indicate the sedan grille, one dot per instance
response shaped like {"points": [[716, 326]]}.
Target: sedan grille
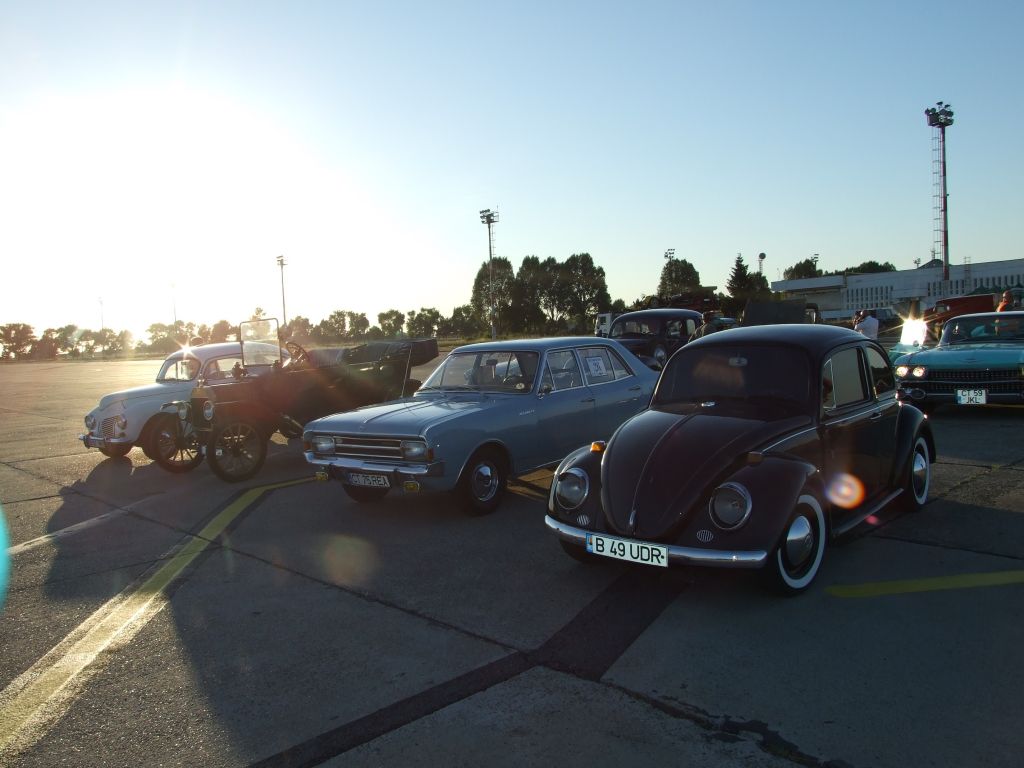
{"points": [[368, 447]]}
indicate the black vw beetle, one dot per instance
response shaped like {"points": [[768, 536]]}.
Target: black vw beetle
{"points": [[760, 444]]}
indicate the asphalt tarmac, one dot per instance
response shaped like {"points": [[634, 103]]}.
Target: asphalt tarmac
{"points": [[158, 619]]}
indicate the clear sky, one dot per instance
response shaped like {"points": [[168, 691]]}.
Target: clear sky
{"points": [[160, 156]]}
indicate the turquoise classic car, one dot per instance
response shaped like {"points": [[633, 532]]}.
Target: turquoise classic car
{"points": [[490, 411], [979, 360]]}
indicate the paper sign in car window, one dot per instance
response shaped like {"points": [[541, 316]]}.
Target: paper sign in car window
{"points": [[596, 367]]}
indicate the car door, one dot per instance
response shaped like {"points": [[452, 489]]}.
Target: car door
{"points": [[565, 407], [851, 433], [883, 388], [618, 393]]}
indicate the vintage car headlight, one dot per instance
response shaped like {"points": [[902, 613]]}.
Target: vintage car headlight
{"points": [[918, 371], [120, 422], [183, 411], [572, 487], [208, 410], [730, 506], [414, 450], [323, 444], [90, 422], [902, 371]]}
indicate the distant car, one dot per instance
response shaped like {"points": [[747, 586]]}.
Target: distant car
{"points": [[655, 333], [489, 411], [760, 445], [232, 418], [133, 417], [979, 360]]}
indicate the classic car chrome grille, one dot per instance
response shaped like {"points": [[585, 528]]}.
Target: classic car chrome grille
{"points": [[972, 376], [368, 447], [108, 427], [1006, 380]]}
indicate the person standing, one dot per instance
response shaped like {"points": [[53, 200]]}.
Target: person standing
{"points": [[866, 325], [1006, 303]]}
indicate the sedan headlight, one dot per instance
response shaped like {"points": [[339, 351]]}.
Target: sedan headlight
{"points": [[183, 411], [572, 487], [208, 410], [730, 506], [323, 444], [414, 450], [90, 422]]}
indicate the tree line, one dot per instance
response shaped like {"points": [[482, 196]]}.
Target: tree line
{"points": [[543, 297]]}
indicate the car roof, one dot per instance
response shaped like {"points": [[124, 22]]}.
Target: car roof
{"points": [[661, 313], [815, 338], [538, 345], [208, 351], [1015, 314]]}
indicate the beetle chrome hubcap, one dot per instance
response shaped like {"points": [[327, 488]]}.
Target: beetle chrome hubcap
{"points": [[920, 476], [799, 541]]}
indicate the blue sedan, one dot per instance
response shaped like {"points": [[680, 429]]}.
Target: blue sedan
{"points": [[488, 412]]}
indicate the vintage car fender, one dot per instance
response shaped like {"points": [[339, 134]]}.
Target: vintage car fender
{"points": [[909, 423], [590, 462]]}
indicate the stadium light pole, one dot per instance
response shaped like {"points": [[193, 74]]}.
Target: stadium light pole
{"points": [[941, 116], [284, 314], [489, 217]]}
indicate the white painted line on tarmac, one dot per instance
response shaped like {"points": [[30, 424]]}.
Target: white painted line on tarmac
{"points": [[25, 546], [39, 697]]}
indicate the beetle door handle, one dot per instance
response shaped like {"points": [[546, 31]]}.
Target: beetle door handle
{"points": [[876, 416]]}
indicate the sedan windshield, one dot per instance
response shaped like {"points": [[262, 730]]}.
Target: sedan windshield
{"points": [[485, 371], [750, 374], [984, 329]]}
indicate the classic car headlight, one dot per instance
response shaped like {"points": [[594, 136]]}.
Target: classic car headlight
{"points": [[918, 371], [902, 371], [120, 422], [90, 422], [730, 506], [183, 411], [208, 410], [323, 444], [414, 450], [572, 487]]}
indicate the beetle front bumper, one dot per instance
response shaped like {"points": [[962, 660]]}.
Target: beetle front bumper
{"points": [[676, 555]]}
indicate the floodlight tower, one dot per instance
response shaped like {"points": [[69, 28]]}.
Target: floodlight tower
{"points": [[489, 217], [284, 315], [939, 118]]}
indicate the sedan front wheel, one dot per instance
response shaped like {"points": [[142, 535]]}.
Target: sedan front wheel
{"points": [[796, 559], [482, 483]]}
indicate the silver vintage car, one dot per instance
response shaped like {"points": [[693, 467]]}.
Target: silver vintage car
{"points": [[488, 412]]}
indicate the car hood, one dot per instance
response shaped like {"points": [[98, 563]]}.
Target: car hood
{"points": [[991, 355], [170, 390], [408, 416], [659, 464]]}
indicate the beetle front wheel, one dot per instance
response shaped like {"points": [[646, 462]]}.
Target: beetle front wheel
{"points": [[796, 559], [919, 477], [237, 451]]}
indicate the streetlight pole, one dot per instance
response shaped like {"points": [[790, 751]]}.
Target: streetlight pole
{"points": [[284, 314], [940, 116], [489, 217]]}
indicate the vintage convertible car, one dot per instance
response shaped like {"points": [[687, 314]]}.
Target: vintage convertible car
{"points": [[760, 445], [133, 417], [979, 360], [488, 412], [232, 418]]}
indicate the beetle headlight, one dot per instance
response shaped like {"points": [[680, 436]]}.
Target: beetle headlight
{"points": [[902, 371], [90, 422], [208, 410], [572, 487], [414, 450], [730, 506], [323, 444], [183, 411]]}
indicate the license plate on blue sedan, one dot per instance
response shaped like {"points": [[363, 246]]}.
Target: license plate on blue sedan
{"points": [[971, 397], [628, 550], [368, 481]]}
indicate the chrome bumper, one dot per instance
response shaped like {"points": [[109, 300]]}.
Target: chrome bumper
{"points": [[91, 441], [399, 469], [676, 555]]}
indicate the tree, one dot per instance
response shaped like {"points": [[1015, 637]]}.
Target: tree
{"points": [[554, 289], [391, 322], [586, 291], [870, 267], [801, 270], [527, 291], [358, 325], [494, 280], [423, 323], [738, 284], [16, 339], [677, 276], [298, 329], [67, 339], [258, 314], [464, 323], [45, 348], [157, 333], [221, 330]]}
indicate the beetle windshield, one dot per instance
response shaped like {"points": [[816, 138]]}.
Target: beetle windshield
{"points": [[983, 329], [485, 371], [727, 373]]}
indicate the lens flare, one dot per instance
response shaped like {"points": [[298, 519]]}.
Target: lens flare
{"points": [[845, 491], [914, 332], [4, 559]]}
